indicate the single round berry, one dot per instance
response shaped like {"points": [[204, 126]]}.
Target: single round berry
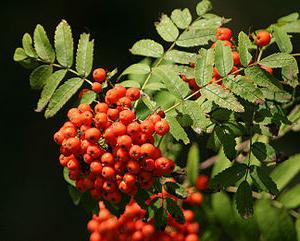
{"points": [[263, 38], [224, 33], [99, 75], [96, 87]]}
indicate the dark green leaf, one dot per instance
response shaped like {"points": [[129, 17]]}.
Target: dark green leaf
{"points": [[196, 37], [227, 139], [139, 68], [176, 130], [90, 205], [223, 59], [160, 219], [175, 211], [84, 55], [172, 81], [147, 47], [262, 78], [182, 18], [63, 42], [20, 55], [244, 200], [297, 227], [154, 205], [74, 194], [192, 165], [244, 45], [119, 208], [228, 177], [286, 171], [167, 29], [262, 179], [141, 197], [62, 95], [294, 118], [42, 45], [222, 97], [39, 76], [88, 97], [263, 152], [176, 190], [180, 57], [221, 164], [27, 45], [283, 40], [277, 60], [204, 66], [203, 7], [244, 88], [291, 198], [52, 83]]}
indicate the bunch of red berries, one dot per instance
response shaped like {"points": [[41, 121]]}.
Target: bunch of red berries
{"points": [[130, 227], [108, 150], [225, 35]]}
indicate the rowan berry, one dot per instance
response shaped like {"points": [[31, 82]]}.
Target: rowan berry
{"points": [[162, 127], [124, 103], [135, 152], [224, 33], [96, 167], [147, 127], [147, 150], [269, 70], [263, 38], [192, 237], [154, 118], [73, 164], [133, 167], [236, 58], [133, 93], [101, 119], [133, 128], [92, 134], [101, 108], [126, 116], [129, 179], [107, 159], [94, 151], [124, 141], [58, 137], [113, 114], [97, 87], [202, 182], [99, 75], [118, 128], [108, 172]]}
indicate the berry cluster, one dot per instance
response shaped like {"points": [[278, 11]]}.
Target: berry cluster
{"points": [[130, 227], [108, 150], [263, 38]]}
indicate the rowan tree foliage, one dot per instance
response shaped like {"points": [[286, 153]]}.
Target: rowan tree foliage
{"points": [[232, 93]]}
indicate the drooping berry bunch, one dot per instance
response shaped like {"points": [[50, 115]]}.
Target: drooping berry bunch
{"points": [[224, 34], [107, 149], [130, 227]]}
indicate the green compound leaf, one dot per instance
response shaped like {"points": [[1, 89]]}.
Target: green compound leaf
{"points": [[172, 81], [66, 172], [283, 40], [263, 152], [75, 194], [223, 59], [274, 224], [88, 97], [84, 56], [244, 88], [27, 45], [175, 210], [193, 110], [262, 179], [52, 83], [137, 69], [192, 165], [64, 45], [62, 95], [182, 18], [195, 37], [244, 45], [167, 29], [286, 171], [262, 78], [228, 177], [244, 200], [277, 60], [289, 18], [20, 55], [160, 218], [203, 7], [42, 44], [176, 130], [176, 189], [148, 48], [222, 97], [290, 74], [226, 138], [39, 76], [291, 198], [141, 197], [131, 83], [180, 57], [297, 227], [204, 66]]}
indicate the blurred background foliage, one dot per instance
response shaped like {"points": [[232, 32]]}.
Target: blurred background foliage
{"points": [[35, 204]]}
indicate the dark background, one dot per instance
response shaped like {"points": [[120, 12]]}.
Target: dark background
{"points": [[34, 202]]}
